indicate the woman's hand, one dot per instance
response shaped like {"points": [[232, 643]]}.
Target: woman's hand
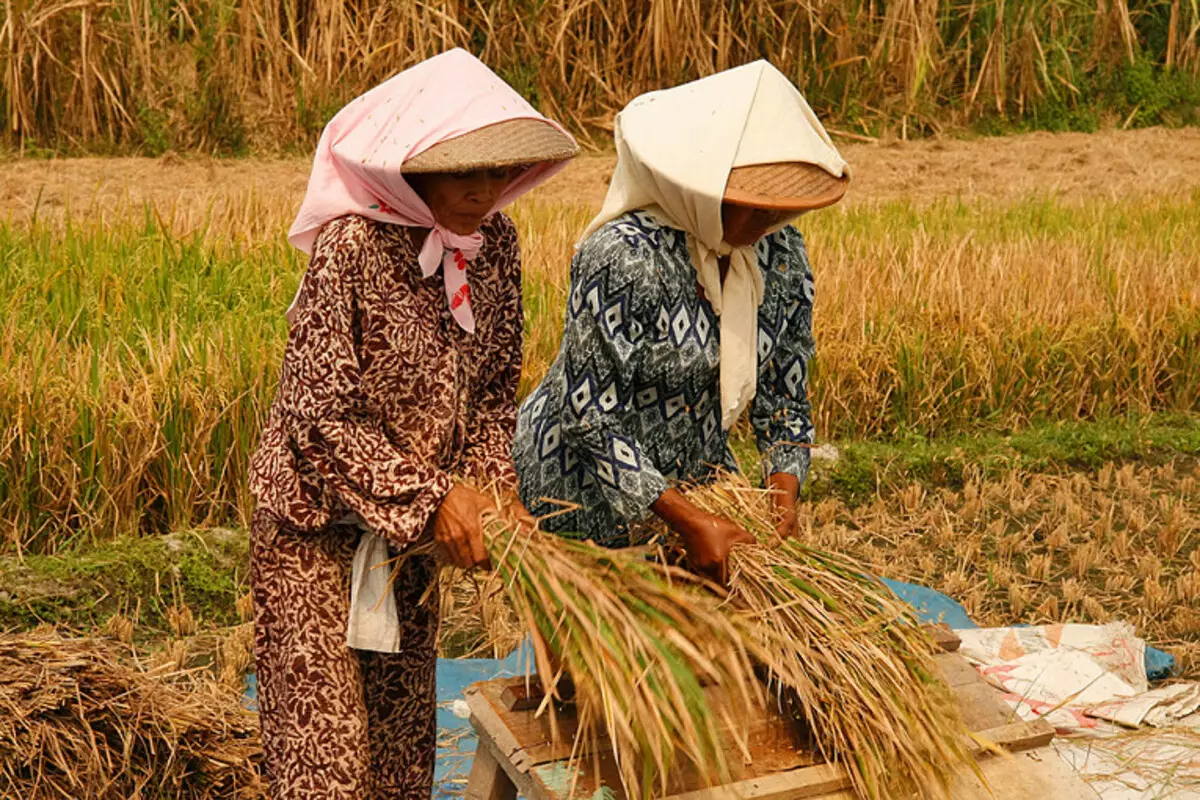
{"points": [[784, 489], [458, 527], [707, 538], [516, 510]]}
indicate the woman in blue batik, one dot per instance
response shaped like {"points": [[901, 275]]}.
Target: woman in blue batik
{"points": [[690, 301]]}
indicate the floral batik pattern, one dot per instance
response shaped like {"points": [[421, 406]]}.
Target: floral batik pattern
{"points": [[631, 404], [384, 401]]}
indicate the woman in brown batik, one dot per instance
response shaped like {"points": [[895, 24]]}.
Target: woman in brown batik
{"points": [[399, 380]]}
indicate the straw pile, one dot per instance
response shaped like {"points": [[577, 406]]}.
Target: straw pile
{"points": [[77, 721]]}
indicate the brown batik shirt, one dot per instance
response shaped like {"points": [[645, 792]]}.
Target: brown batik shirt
{"points": [[383, 397]]}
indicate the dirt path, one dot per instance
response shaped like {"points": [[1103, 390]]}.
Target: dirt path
{"points": [[1074, 166]]}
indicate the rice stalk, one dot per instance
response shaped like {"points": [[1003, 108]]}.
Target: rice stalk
{"points": [[639, 642], [844, 655]]}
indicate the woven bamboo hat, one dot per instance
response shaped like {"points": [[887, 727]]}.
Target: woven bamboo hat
{"points": [[511, 143], [789, 186]]}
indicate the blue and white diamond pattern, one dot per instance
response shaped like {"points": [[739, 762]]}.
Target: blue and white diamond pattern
{"points": [[703, 328], [794, 379], [764, 345], [605, 471], [647, 397], [593, 300], [674, 405], [624, 453], [608, 398], [551, 438], [581, 395], [638, 341], [538, 406], [613, 317], [680, 325]]}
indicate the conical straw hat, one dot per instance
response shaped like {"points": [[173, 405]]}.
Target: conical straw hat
{"points": [[504, 144], [789, 186]]}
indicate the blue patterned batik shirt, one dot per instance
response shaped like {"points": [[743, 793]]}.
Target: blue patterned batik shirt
{"points": [[631, 404]]}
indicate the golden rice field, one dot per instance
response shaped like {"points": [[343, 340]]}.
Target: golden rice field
{"points": [[142, 348]]}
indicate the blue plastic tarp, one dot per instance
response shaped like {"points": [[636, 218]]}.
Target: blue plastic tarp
{"points": [[456, 739]]}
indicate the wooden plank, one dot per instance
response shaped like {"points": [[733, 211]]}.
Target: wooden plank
{"points": [[772, 742], [1039, 774], [531, 733], [489, 726], [797, 783], [982, 706], [1019, 736], [955, 670], [943, 637], [526, 787], [488, 780], [522, 694]]}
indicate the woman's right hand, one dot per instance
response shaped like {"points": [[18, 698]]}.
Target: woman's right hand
{"points": [[458, 527], [707, 538]]}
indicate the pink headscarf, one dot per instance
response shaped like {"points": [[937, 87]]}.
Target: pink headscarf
{"points": [[357, 166]]}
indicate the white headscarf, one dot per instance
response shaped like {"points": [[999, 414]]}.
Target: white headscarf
{"points": [[675, 150]]}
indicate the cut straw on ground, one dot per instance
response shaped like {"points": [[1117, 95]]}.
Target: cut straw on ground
{"points": [[80, 719]]}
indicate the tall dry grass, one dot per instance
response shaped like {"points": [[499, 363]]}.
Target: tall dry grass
{"points": [[222, 76], [142, 350]]}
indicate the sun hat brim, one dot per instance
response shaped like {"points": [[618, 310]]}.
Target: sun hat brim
{"points": [[787, 186], [510, 143]]}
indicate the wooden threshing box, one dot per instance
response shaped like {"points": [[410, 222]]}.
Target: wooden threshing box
{"points": [[517, 754]]}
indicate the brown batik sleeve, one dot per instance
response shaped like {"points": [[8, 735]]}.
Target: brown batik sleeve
{"points": [[333, 428], [488, 457]]}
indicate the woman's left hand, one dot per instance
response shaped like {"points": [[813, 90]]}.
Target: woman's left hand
{"points": [[784, 489]]}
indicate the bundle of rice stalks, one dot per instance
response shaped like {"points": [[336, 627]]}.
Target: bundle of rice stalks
{"points": [[77, 721], [639, 642], [844, 655]]}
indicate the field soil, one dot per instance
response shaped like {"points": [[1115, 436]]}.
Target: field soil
{"points": [[1110, 165]]}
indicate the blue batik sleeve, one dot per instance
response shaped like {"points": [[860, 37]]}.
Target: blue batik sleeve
{"points": [[604, 340], [781, 413]]}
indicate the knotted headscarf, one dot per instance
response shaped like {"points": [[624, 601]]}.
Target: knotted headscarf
{"points": [[356, 169]]}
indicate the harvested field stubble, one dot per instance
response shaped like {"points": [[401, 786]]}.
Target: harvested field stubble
{"points": [[139, 363], [1122, 543]]}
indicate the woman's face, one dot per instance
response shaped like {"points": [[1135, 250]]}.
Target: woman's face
{"points": [[744, 225], [461, 200]]}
